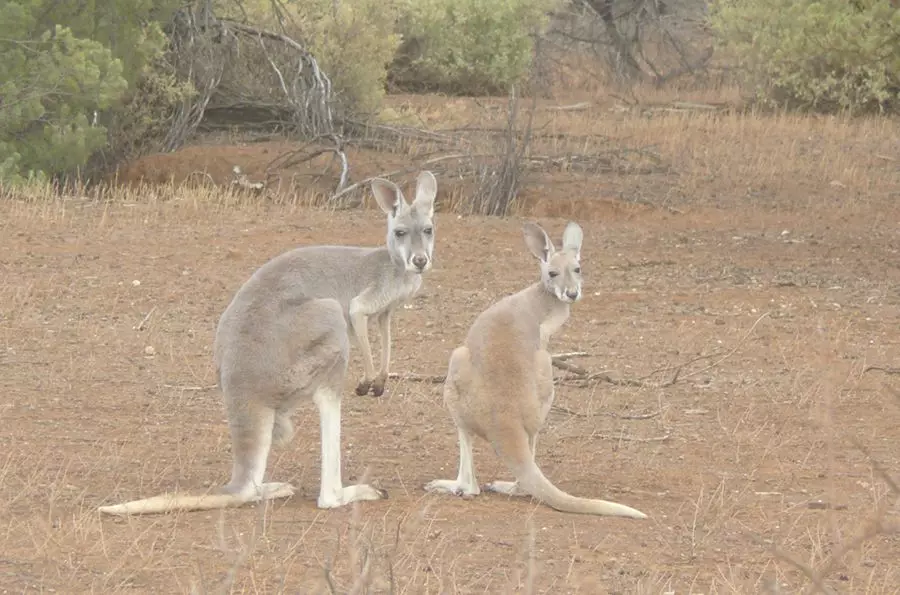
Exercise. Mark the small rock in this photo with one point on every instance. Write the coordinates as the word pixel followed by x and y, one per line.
pixel 149 350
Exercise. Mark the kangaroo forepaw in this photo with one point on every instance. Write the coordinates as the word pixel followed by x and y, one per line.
pixel 378 385
pixel 363 387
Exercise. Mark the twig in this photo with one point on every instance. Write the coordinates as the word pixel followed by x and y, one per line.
pixel 570 354
pixel 638 416
pixel 873 527
pixel 730 352
pixel 564 365
pixel 629 438
pixel 810 573
pixel 397 172
pixel 588 379
pixel 141 324
pixel 558 361
pixel 192 388
pixel 886 370
pixel 895 487
pixel 426 378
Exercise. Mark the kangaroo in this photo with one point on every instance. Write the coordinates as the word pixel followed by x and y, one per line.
pixel 285 337
pixel 499 383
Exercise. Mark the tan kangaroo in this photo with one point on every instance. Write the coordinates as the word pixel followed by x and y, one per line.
pixel 285 338
pixel 499 384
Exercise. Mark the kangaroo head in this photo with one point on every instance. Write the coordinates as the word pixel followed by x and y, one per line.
pixel 410 233
pixel 560 270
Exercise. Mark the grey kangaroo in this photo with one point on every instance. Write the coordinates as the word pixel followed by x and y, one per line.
pixel 499 384
pixel 285 337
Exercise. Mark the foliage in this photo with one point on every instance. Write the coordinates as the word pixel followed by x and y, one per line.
pixel 131 29
pixel 819 54
pixel 354 45
pixel 143 118
pixel 51 85
pixel 352 40
pixel 65 67
pixel 468 46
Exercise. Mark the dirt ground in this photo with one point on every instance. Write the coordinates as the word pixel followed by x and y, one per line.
pixel 783 327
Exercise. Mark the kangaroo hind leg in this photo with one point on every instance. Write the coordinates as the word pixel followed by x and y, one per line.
pixel 328 382
pixel 332 492
pixel 252 425
pixel 511 488
pixel 457 396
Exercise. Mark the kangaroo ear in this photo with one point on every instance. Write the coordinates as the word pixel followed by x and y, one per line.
pixel 388 195
pixel 538 241
pixel 572 238
pixel 426 191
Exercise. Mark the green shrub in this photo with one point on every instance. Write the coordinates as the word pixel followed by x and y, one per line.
pixel 817 54
pixel 467 46
pixel 52 84
pixel 65 67
pixel 354 45
pixel 142 120
pixel 353 41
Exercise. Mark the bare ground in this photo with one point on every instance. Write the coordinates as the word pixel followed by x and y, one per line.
pixel 746 463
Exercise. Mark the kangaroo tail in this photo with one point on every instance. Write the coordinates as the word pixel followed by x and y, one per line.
pixel 187 502
pixel 535 483
pixel 530 478
pixel 173 503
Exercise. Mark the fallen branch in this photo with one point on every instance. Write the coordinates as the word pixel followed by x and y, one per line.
pixel 584 379
pixel 886 370
pixel 638 416
pixel 569 355
pixel 304 154
pixel 558 361
pixel 192 388
pixel 397 172
pixel 564 365
pixel 426 378
pixel 629 438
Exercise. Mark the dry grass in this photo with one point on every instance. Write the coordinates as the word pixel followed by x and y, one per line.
pixel 760 486
pixel 680 150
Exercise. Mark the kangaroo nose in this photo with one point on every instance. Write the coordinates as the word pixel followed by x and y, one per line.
pixel 571 294
pixel 420 261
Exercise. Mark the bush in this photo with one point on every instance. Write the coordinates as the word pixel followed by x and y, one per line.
pixel 352 40
pixel 467 46
pixel 355 45
pixel 52 85
pixel 65 67
pixel 817 54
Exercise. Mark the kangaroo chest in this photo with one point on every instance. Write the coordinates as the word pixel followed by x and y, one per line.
pixel 550 325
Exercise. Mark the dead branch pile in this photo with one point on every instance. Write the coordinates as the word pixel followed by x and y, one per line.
pixel 653 41
pixel 244 75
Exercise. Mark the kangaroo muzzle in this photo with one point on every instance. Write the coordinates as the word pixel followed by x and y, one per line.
pixel 419 261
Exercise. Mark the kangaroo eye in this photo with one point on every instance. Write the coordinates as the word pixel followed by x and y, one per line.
pixel 428 231
pixel 578 270
pixel 553 274
pixel 399 233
